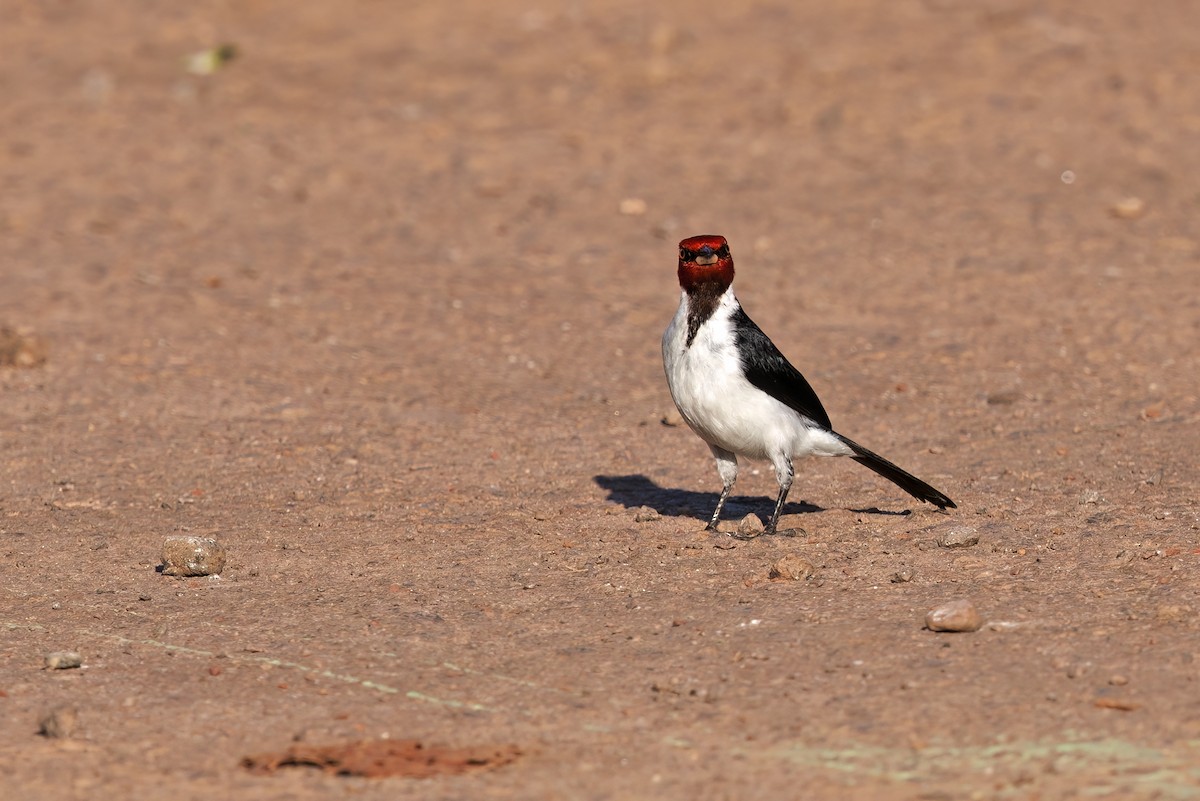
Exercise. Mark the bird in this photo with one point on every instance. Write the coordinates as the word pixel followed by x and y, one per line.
pixel 741 395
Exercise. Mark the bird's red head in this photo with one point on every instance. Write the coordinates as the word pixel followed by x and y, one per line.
pixel 705 259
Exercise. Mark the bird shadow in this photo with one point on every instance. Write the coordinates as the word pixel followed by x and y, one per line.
pixel 635 491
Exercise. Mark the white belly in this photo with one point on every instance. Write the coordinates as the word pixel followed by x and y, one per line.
pixel 725 409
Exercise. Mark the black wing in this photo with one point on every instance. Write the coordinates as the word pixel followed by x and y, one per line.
pixel 766 368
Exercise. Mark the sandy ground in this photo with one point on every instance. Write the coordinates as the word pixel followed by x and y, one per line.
pixel 377 304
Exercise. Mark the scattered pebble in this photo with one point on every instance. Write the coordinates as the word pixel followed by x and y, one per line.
pixel 903 576
pixel 672 418
pixel 1171 613
pixel 1121 704
pixel 59 723
pixel 792 568
pixel 1078 670
pixel 958 537
pixel 958 615
pixel 1118 680
pixel 633 206
pixel 206 62
pixel 192 556
pixel 1129 208
pixel 1006 625
pixel 1004 397
pixel 750 526
pixel 646 515
pixel 20 349
pixel 62 660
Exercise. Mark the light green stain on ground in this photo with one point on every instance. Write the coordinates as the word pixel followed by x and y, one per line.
pixel 1101 767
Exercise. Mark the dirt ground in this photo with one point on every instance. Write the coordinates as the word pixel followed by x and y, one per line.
pixel 377 304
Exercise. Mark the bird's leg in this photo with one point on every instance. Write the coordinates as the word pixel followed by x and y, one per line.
pixel 784 474
pixel 727 467
pixel 712 524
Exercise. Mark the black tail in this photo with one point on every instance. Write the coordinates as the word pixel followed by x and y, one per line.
pixel 901 478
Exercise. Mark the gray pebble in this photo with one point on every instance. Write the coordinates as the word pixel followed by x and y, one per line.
pixel 61 660
pixel 903 576
pixel 192 556
pixel 958 615
pixel 958 537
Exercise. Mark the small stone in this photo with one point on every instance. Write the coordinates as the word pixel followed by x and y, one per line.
pixel 20 349
pixel 59 723
pixel 958 615
pixel 206 62
pixel 903 576
pixel 672 418
pixel 1118 680
pixel 958 537
pixel 792 568
pixel 1122 704
pixel 1171 613
pixel 62 660
pixel 646 515
pixel 1129 208
pixel 633 206
pixel 1004 397
pixel 1078 670
pixel 750 526
pixel 192 556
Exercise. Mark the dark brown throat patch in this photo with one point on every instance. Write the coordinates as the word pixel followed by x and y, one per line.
pixel 703 299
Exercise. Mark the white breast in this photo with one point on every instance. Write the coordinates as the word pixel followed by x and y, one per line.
pixel 720 405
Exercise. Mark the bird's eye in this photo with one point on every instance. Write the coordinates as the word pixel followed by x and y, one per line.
pixel 724 251
pixel 684 254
